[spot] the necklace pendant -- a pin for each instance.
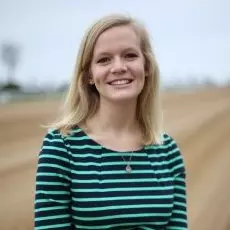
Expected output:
(128, 169)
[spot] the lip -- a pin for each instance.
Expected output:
(121, 79)
(121, 86)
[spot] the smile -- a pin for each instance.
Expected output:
(121, 82)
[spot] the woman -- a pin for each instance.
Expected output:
(107, 164)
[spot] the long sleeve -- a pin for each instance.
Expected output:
(52, 193)
(178, 220)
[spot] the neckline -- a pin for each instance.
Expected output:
(109, 149)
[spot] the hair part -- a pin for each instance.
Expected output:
(82, 99)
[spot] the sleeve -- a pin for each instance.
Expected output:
(178, 219)
(52, 189)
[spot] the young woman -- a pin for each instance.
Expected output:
(107, 164)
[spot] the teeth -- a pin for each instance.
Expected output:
(120, 82)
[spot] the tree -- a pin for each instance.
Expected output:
(209, 81)
(10, 53)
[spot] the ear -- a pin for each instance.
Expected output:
(91, 82)
(89, 76)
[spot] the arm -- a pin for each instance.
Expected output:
(178, 220)
(52, 193)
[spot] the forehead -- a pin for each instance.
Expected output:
(117, 38)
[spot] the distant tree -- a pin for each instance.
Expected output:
(209, 81)
(10, 87)
(63, 87)
(228, 83)
(10, 55)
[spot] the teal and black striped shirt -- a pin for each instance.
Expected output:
(83, 185)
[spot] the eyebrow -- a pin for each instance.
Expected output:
(123, 51)
(102, 54)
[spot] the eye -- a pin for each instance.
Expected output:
(103, 60)
(131, 56)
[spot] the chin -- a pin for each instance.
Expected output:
(124, 98)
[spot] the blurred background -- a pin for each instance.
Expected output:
(39, 41)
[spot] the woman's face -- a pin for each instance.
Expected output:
(117, 67)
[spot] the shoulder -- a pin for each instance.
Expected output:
(169, 142)
(54, 155)
(56, 140)
(173, 154)
(53, 143)
(55, 136)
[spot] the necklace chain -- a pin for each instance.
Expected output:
(128, 168)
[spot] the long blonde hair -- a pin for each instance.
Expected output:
(82, 100)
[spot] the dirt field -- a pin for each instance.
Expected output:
(199, 121)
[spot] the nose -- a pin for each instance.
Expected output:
(118, 66)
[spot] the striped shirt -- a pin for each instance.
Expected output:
(80, 184)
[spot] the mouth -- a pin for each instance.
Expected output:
(121, 82)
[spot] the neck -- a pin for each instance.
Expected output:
(116, 117)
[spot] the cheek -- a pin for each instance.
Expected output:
(98, 77)
(95, 73)
(98, 80)
(139, 71)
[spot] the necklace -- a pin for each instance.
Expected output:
(128, 168)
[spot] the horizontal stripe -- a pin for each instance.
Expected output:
(112, 154)
(118, 225)
(174, 159)
(160, 147)
(117, 216)
(77, 130)
(126, 207)
(46, 200)
(107, 154)
(91, 199)
(52, 217)
(178, 167)
(49, 174)
(180, 187)
(177, 228)
(51, 183)
(179, 212)
(145, 228)
(140, 180)
(180, 195)
(53, 226)
(164, 154)
(53, 140)
(53, 192)
(78, 138)
(45, 147)
(50, 208)
(135, 171)
(180, 220)
(54, 157)
(180, 204)
(119, 163)
(123, 189)
(180, 179)
(108, 163)
(53, 166)
(82, 147)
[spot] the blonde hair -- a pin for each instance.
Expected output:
(82, 100)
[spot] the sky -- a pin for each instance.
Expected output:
(191, 38)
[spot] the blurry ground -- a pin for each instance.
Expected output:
(199, 121)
